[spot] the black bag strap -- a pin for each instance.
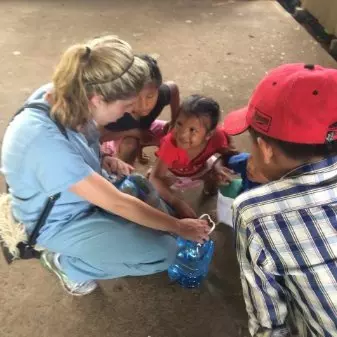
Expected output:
(26, 249)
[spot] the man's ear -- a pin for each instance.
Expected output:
(266, 150)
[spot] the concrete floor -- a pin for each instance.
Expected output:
(219, 48)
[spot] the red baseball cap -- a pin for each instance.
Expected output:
(295, 103)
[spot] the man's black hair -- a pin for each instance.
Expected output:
(299, 151)
(201, 106)
(155, 73)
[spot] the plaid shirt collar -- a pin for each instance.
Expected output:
(320, 166)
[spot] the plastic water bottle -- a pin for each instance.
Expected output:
(140, 187)
(192, 261)
(128, 186)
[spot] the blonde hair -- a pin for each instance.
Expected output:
(103, 66)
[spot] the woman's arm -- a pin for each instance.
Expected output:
(101, 193)
(157, 178)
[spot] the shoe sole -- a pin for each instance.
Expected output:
(48, 266)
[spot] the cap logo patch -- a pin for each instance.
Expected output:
(331, 134)
(261, 121)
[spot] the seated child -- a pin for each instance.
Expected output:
(242, 164)
(188, 148)
(139, 128)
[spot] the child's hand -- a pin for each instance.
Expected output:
(184, 210)
(253, 174)
(117, 166)
(223, 175)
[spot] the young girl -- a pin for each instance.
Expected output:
(188, 149)
(127, 136)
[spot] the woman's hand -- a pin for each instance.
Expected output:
(194, 229)
(116, 166)
(183, 209)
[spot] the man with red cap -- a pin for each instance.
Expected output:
(286, 230)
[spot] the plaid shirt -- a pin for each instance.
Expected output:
(286, 240)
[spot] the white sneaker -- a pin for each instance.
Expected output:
(51, 262)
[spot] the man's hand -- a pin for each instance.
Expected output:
(116, 166)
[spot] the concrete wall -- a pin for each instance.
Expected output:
(325, 11)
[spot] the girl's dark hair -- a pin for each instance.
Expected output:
(297, 151)
(201, 106)
(155, 73)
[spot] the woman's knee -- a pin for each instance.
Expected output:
(144, 256)
(160, 258)
(104, 241)
(169, 246)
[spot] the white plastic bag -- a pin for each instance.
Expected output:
(224, 209)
